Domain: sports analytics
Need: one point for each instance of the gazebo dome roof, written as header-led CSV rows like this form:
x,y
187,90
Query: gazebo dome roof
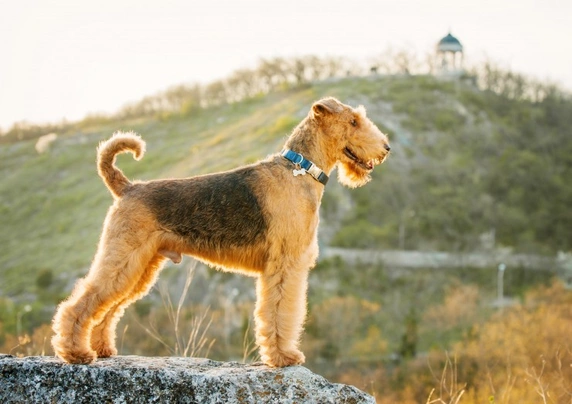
x,y
449,44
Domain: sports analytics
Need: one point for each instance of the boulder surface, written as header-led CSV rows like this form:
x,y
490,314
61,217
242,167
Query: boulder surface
x,y
135,379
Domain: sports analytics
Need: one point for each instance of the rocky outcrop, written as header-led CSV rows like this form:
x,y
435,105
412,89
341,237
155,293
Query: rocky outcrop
x,y
133,379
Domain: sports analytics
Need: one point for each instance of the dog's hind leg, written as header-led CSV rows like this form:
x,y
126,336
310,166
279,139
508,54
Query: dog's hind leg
x,y
115,272
103,335
280,312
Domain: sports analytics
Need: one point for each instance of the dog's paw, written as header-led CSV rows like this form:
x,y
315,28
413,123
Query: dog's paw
x,y
78,357
283,359
105,351
104,348
72,353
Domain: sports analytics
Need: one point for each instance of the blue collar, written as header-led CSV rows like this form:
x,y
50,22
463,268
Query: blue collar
x,y
306,166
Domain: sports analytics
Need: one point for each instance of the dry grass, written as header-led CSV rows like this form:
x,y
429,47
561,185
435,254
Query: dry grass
x,y
189,341
450,390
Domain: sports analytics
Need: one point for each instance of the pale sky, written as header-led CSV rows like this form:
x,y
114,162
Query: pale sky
x,y
68,58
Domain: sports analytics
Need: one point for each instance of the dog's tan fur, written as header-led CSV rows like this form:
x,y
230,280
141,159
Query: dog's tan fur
x,y
259,220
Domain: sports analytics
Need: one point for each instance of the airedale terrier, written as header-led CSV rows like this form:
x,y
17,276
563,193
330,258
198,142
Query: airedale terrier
x,y
260,220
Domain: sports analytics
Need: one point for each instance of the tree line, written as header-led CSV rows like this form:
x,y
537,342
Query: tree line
x,y
276,74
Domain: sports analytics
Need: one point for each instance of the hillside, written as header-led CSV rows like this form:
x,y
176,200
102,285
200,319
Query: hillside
x,y
470,171
53,205
465,163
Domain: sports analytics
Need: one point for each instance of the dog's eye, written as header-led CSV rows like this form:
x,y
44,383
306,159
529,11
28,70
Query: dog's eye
x,y
353,122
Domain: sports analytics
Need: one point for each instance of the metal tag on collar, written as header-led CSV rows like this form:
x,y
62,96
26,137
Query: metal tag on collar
x,y
301,171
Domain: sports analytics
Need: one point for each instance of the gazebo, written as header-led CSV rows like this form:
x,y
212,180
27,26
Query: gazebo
x,y
449,55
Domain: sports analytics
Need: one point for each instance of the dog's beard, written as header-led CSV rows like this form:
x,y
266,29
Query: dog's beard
x,y
352,175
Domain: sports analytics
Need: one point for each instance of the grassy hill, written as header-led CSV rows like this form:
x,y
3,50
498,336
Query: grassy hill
x,y
464,162
470,170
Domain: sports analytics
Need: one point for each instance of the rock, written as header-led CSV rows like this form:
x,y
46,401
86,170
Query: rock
x,y
44,142
134,379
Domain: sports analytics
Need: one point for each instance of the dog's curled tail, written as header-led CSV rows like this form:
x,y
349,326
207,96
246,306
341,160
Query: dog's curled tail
x,y
121,142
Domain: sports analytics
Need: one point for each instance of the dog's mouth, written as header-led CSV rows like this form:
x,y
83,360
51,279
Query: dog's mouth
x,y
366,165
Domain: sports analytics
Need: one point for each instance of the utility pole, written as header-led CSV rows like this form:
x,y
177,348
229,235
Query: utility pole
x,y
500,284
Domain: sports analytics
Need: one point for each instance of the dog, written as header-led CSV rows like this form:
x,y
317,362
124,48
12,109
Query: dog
x,y
260,220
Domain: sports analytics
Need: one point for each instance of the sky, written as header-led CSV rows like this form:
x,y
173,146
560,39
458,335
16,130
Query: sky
x,y
64,59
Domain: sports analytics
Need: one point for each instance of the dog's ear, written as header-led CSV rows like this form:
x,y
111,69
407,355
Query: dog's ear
x,y
326,106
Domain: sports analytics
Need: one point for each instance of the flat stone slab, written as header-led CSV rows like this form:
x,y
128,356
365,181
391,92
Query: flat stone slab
x,y
135,379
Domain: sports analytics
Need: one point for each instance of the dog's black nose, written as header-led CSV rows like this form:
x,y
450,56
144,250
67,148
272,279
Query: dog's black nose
x,y
387,147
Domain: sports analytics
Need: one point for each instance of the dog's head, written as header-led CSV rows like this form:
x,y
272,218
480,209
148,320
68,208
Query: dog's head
x,y
352,140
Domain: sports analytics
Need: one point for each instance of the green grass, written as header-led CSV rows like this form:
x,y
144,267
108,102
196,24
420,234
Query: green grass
x,y
52,205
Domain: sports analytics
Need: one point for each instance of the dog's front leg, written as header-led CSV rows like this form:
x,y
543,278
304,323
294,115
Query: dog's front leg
x,y
279,315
